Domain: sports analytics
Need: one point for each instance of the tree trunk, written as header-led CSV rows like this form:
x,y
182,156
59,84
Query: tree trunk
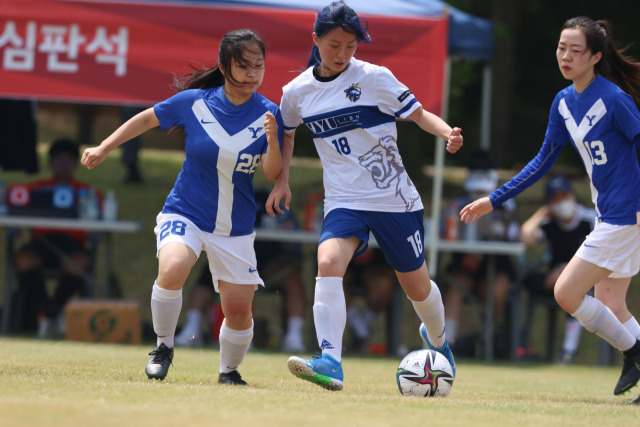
x,y
505,17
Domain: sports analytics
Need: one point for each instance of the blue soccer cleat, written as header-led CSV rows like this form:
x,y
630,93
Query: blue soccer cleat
x,y
444,350
323,370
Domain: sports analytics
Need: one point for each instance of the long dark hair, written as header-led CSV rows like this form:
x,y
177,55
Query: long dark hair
x,y
614,65
337,14
232,46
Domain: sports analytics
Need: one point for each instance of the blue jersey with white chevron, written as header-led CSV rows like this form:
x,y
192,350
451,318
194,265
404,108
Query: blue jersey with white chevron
x,y
602,123
224,145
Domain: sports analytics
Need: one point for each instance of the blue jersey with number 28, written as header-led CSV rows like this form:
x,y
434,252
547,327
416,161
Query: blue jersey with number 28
x,y
224,144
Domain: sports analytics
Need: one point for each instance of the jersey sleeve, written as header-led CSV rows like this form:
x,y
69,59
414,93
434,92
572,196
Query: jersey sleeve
x,y
535,169
556,128
626,117
289,112
172,112
394,98
278,115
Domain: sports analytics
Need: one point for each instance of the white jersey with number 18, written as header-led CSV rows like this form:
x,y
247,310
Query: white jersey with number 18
x,y
352,121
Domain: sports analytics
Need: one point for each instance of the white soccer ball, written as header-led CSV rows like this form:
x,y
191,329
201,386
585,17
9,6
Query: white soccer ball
x,y
424,373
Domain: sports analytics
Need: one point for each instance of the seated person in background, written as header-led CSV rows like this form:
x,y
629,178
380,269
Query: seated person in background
x,y
279,266
369,272
468,271
562,224
51,249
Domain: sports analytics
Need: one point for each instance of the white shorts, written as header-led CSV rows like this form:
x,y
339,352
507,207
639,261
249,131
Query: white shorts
x,y
614,247
231,258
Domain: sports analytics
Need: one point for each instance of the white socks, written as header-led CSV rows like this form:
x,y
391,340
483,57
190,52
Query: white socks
x,y
233,346
451,326
294,326
571,335
599,319
632,326
431,312
165,310
192,329
330,315
360,322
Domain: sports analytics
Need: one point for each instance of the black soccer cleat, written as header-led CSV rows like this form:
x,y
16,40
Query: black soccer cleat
x,y
158,365
630,375
232,378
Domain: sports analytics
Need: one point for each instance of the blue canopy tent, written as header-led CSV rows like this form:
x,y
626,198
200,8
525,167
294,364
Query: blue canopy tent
x,y
470,37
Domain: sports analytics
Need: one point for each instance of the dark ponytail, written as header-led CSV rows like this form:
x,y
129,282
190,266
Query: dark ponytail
x,y
232,46
202,77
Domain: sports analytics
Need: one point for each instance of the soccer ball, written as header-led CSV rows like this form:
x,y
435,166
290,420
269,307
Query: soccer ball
x,y
425,373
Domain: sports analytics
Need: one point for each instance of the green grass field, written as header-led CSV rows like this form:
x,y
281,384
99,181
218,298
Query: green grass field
x,y
62,383
58,383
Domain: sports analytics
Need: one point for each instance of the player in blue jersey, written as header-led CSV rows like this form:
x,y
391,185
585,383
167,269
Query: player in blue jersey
x,y
598,115
229,129
350,107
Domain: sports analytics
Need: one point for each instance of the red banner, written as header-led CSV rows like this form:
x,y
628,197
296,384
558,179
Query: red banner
x,y
126,53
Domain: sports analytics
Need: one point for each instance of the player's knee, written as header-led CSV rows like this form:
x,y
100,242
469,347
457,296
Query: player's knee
x,y
329,267
565,299
173,279
237,311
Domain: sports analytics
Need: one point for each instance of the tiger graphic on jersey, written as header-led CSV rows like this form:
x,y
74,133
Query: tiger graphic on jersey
x,y
383,161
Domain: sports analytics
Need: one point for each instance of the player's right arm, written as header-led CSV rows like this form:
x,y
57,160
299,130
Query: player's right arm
x,y
133,127
530,230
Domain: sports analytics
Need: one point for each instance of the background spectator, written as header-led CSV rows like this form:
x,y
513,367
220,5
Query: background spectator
x,y
131,148
51,249
562,224
370,275
467,272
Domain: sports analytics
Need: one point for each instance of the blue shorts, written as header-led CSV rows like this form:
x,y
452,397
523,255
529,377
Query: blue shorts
x,y
399,234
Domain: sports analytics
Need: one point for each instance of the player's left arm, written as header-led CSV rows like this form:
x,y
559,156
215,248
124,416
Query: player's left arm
x,y
433,124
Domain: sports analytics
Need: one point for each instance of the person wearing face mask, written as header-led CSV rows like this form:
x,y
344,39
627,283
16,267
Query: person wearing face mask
x,y
467,271
562,224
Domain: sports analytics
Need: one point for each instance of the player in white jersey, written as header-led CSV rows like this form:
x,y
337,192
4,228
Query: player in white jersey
x,y
598,115
350,108
229,129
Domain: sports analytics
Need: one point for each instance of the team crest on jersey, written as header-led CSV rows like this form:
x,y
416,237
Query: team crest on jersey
x,y
385,165
254,131
353,92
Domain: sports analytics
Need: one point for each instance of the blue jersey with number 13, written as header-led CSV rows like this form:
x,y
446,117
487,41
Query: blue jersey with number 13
x,y
602,123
